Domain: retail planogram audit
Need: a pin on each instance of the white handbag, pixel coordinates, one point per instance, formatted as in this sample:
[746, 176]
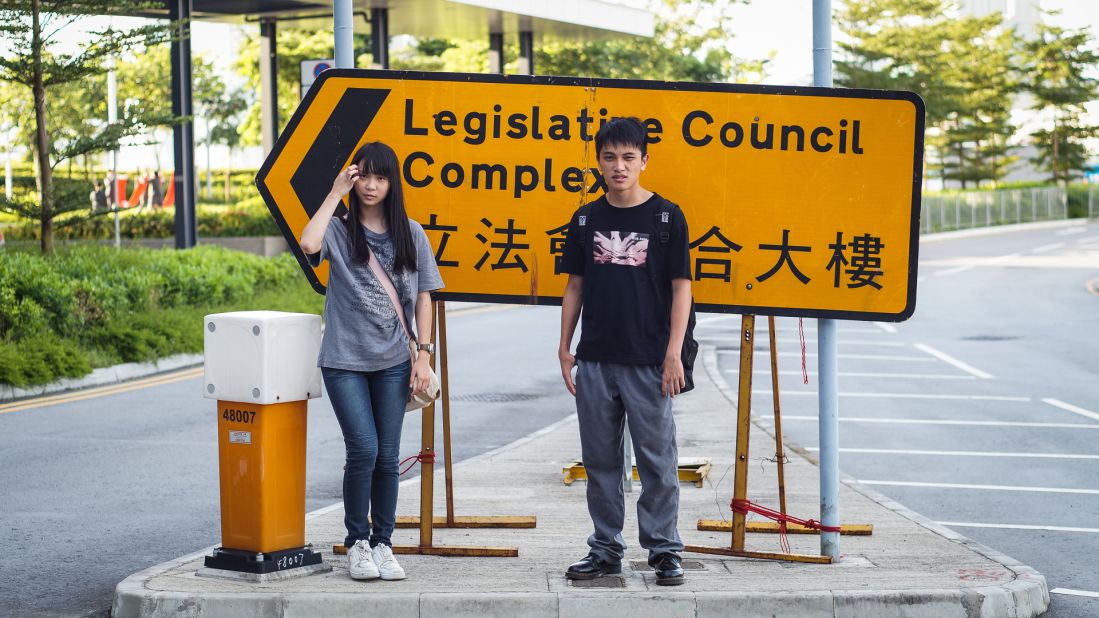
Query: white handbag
[423, 398]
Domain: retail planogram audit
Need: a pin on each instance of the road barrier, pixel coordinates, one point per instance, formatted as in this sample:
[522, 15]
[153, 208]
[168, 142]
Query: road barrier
[959, 211]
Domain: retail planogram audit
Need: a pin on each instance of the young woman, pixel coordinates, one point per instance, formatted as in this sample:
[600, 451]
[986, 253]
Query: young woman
[364, 356]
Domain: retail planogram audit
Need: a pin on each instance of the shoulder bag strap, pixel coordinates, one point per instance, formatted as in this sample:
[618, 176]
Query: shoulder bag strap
[387, 285]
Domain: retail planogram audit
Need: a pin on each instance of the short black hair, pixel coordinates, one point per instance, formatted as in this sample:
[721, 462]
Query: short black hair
[622, 132]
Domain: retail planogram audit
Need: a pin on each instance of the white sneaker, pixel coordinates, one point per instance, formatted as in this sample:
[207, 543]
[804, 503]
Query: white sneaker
[360, 561]
[387, 564]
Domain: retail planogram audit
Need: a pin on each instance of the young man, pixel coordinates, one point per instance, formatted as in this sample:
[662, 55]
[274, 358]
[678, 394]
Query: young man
[627, 256]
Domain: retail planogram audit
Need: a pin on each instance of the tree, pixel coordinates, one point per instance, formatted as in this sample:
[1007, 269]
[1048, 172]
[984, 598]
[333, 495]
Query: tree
[293, 46]
[223, 116]
[31, 28]
[690, 43]
[1056, 66]
[921, 46]
[979, 127]
[145, 88]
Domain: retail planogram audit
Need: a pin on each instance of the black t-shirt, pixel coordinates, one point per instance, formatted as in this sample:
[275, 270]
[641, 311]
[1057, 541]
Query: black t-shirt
[628, 272]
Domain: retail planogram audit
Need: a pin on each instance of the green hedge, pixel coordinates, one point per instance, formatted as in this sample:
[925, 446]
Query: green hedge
[248, 217]
[64, 314]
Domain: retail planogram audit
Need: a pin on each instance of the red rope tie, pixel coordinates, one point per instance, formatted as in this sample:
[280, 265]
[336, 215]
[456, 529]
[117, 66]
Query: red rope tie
[421, 458]
[747, 506]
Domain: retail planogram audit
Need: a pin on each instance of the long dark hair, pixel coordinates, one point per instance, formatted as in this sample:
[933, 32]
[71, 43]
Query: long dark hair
[379, 159]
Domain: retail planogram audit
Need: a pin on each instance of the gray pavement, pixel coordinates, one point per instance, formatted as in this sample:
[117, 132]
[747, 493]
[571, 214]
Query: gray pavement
[908, 567]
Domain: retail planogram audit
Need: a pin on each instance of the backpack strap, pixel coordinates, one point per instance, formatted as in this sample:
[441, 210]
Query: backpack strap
[583, 220]
[663, 223]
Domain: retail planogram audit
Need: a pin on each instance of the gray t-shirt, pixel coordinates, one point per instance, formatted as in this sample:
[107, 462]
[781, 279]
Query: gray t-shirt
[362, 332]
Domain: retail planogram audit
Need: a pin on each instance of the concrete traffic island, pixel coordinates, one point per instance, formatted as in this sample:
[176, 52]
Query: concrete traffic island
[908, 567]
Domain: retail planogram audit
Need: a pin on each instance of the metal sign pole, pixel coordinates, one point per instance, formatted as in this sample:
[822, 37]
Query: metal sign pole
[828, 383]
[342, 16]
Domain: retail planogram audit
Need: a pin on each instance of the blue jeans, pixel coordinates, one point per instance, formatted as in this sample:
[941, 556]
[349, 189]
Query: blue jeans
[370, 409]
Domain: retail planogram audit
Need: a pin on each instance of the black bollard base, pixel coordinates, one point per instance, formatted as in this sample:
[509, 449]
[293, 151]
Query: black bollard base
[254, 562]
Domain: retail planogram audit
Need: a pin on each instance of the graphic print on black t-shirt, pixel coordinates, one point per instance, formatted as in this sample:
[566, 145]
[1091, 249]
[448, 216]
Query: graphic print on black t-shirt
[622, 249]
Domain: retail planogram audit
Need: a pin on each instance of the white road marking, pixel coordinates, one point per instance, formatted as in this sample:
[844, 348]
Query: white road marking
[912, 396]
[706, 321]
[927, 421]
[846, 329]
[1071, 408]
[1029, 488]
[884, 357]
[953, 271]
[946, 358]
[762, 345]
[890, 344]
[1072, 230]
[1047, 248]
[1089, 239]
[859, 374]
[966, 524]
[899, 451]
[1077, 593]
[889, 328]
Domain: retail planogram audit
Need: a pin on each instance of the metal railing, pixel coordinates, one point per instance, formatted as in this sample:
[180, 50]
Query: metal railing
[961, 211]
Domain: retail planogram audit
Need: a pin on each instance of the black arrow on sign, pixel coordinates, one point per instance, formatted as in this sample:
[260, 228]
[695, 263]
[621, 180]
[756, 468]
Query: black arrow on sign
[334, 144]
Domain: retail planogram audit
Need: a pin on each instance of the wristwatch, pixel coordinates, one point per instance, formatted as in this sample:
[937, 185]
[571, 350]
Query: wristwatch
[426, 347]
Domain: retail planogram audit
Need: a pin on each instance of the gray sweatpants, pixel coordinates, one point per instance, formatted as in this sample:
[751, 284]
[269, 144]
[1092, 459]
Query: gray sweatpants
[606, 393]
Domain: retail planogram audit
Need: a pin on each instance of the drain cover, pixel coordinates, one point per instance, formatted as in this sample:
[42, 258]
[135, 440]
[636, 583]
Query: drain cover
[988, 338]
[608, 581]
[495, 397]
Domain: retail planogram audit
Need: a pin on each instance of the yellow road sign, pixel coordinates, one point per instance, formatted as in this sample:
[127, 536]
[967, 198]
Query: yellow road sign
[800, 201]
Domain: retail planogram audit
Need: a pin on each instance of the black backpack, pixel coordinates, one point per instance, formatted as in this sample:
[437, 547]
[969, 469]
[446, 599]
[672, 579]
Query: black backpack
[662, 231]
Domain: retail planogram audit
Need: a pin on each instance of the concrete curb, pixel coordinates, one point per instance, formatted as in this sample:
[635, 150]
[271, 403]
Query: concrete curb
[991, 601]
[1026, 595]
[103, 376]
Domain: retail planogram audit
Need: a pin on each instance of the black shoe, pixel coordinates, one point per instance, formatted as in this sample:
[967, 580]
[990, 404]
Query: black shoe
[592, 567]
[669, 570]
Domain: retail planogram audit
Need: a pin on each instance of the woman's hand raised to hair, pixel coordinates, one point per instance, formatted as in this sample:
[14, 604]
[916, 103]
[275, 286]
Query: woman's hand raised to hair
[345, 181]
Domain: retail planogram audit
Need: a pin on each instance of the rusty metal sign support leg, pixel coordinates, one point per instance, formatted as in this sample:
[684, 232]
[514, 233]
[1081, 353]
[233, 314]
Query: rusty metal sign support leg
[740, 474]
[426, 521]
[451, 520]
[713, 525]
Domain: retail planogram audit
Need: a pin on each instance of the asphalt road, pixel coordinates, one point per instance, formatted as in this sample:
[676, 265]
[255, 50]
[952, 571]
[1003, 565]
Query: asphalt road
[981, 411]
[99, 488]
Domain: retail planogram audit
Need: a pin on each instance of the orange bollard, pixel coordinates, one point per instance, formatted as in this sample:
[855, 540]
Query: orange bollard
[257, 446]
[261, 368]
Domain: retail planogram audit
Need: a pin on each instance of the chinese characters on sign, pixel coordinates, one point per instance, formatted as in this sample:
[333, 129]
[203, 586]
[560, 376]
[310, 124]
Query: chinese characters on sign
[861, 269]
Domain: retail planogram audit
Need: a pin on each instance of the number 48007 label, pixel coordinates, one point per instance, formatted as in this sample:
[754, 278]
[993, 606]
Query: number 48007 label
[238, 416]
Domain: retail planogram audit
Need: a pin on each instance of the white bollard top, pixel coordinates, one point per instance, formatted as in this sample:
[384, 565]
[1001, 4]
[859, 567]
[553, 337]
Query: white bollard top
[261, 357]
